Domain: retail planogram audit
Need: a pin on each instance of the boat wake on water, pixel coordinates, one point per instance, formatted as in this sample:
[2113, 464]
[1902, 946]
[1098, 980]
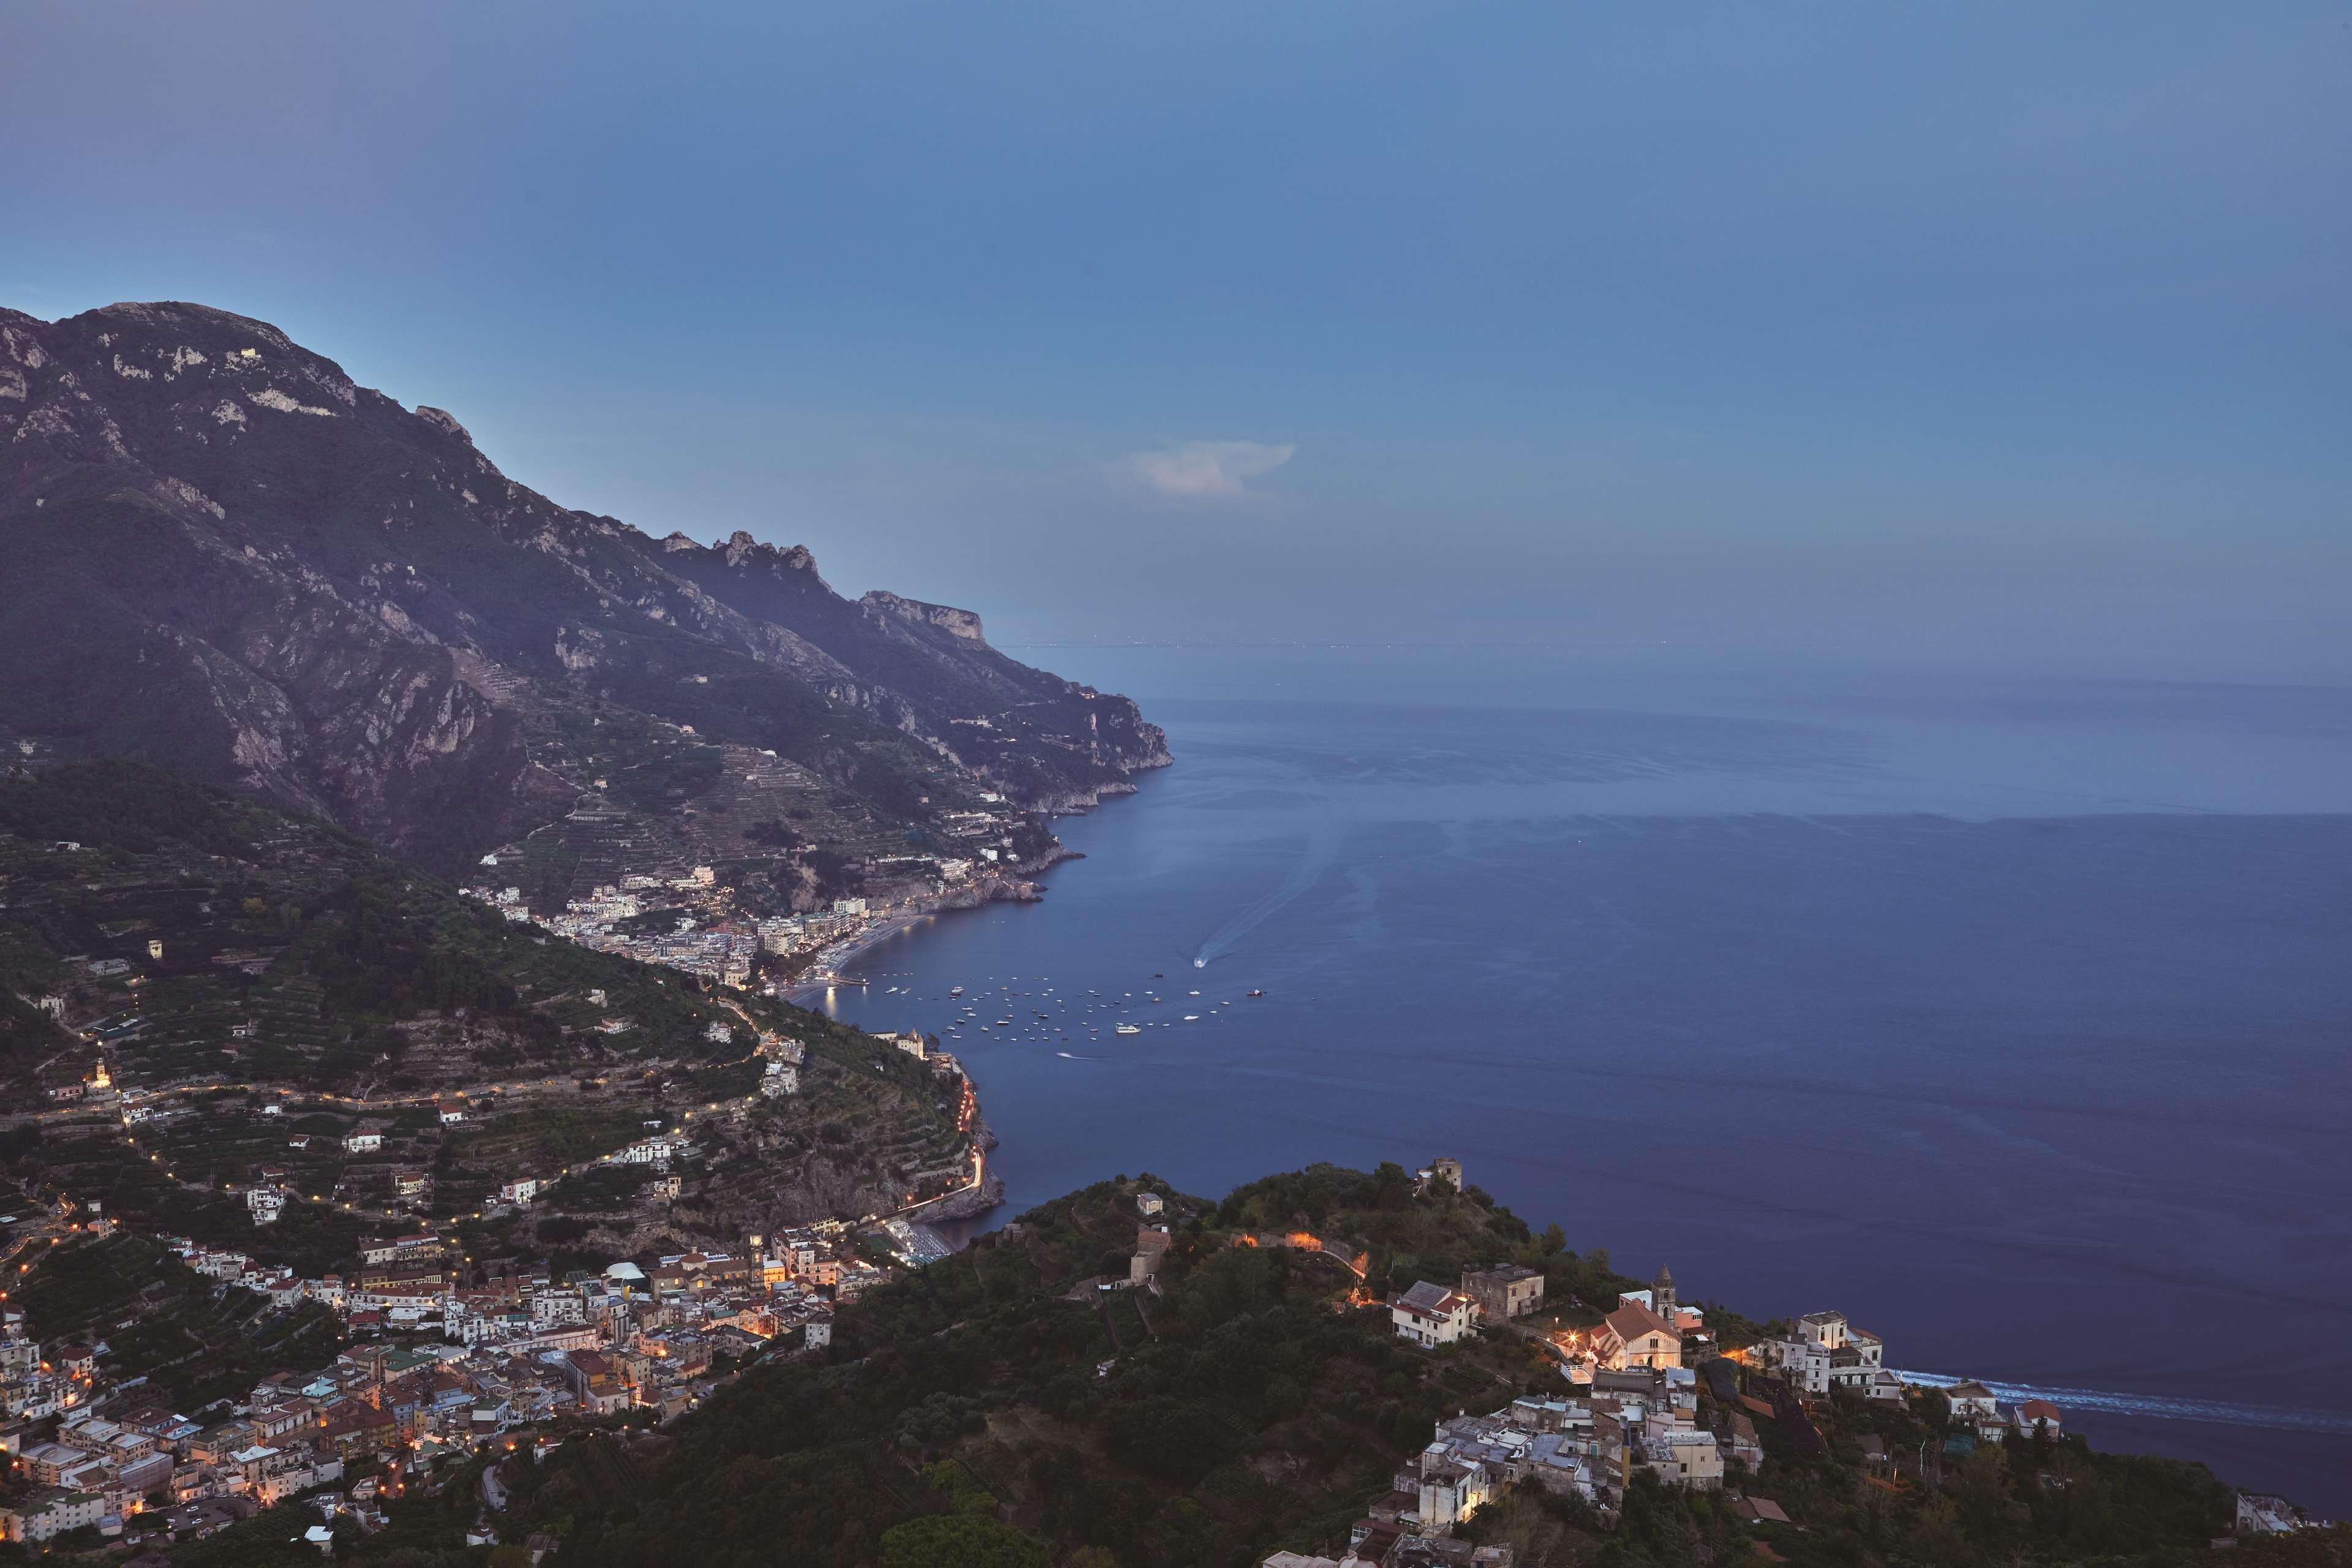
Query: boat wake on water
[2162, 1407]
[1322, 844]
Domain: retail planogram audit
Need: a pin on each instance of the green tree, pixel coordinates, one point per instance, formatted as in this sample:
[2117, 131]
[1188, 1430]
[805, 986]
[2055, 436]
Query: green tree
[962, 1541]
[1391, 1188]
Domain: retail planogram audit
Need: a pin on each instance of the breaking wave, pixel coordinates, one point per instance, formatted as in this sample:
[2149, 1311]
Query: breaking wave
[2162, 1407]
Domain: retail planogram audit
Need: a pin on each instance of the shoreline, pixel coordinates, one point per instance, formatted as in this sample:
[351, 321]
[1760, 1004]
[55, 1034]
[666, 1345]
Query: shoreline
[958, 1210]
[849, 951]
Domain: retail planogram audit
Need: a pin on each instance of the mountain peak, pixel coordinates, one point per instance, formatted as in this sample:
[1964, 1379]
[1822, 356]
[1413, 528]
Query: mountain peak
[342, 605]
[159, 313]
[741, 550]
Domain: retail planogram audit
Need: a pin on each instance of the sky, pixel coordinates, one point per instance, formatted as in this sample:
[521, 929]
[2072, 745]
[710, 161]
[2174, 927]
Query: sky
[2016, 335]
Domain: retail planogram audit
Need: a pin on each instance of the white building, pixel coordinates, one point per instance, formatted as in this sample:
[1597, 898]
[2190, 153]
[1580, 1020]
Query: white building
[1430, 1315]
[550, 1307]
[49, 1512]
[2038, 1418]
[2260, 1514]
[1827, 1354]
[1972, 1405]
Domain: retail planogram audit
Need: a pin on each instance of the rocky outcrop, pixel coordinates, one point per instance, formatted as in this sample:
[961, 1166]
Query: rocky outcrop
[1051, 743]
[982, 891]
[961, 624]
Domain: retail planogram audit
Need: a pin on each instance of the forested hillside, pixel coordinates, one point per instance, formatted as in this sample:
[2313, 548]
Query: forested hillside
[998, 1409]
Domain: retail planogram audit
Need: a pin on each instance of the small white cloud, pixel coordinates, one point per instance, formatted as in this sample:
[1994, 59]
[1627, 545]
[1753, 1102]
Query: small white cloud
[1195, 468]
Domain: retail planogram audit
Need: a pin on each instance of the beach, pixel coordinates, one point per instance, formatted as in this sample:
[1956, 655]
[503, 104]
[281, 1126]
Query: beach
[829, 961]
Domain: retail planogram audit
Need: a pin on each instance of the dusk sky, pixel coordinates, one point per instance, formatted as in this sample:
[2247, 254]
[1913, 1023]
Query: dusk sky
[2017, 334]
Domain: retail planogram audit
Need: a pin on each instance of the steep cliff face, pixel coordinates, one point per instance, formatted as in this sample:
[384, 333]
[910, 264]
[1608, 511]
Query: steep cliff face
[1047, 740]
[227, 557]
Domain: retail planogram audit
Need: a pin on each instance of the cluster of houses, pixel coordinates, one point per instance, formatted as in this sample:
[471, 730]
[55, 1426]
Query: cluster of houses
[725, 951]
[789, 935]
[780, 1075]
[35, 1383]
[1977, 1417]
[80, 1453]
[518, 1350]
[1641, 1366]
[708, 939]
[408, 1284]
[1631, 1405]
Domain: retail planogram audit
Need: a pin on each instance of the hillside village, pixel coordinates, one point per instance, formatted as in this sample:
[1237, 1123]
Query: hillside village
[350, 1206]
[323, 1176]
[441, 1349]
[738, 926]
[440, 1354]
[145, 1409]
[1630, 1406]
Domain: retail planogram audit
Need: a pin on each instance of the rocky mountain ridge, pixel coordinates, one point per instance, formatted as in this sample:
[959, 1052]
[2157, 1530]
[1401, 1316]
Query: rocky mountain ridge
[230, 558]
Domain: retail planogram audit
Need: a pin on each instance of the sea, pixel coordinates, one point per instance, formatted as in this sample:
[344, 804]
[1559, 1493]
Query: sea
[2011, 1016]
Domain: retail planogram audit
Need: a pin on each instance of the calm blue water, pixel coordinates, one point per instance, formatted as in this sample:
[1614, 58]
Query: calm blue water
[2011, 1019]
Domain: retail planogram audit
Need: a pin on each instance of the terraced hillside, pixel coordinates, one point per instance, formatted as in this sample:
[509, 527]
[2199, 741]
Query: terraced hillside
[274, 1002]
[193, 1340]
[201, 938]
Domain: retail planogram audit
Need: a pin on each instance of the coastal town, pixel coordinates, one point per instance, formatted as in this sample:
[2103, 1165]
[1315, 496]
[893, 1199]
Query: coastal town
[691, 919]
[441, 1356]
[429, 1359]
[259, 1273]
[1649, 1394]
[418, 1347]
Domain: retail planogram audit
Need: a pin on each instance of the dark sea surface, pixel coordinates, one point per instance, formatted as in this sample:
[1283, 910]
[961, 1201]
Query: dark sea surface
[2012, 1018]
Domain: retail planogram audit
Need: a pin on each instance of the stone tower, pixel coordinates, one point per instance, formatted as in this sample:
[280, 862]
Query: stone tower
[1663, 1292]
